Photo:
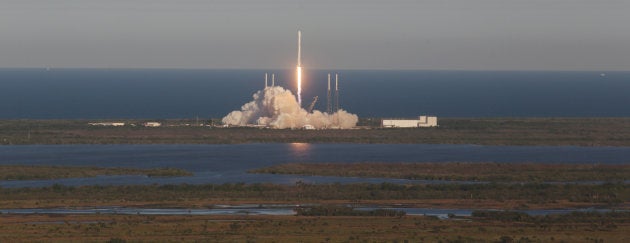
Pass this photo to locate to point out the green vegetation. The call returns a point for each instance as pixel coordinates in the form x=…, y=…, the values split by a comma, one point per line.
x=613, y=227
x=327, y=222
x=608, y=219
x=330, y=222
x=39, y=172
x=493, y=195
x=490, y=172
x=486, y=131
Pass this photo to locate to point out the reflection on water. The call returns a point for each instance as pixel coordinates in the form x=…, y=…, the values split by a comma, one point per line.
x=271, y=210
x=300, y=150
x=229, y=163
x=154, y=211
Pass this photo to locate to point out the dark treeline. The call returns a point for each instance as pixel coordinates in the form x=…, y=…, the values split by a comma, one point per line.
x=609, y=193
x=44, y=172
x=495, y=172
x=592, y=217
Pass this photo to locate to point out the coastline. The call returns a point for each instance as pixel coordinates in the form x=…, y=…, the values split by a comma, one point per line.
x=476, y=131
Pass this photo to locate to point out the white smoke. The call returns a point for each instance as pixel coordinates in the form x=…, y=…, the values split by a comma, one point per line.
x=277, y=107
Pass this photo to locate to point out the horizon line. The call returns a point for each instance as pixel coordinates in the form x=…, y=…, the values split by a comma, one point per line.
x=319, y=69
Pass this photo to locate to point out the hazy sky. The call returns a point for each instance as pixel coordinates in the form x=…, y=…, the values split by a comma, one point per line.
x=339, y=34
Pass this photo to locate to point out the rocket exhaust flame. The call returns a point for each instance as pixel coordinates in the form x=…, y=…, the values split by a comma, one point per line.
x=299, y=84
x=277, y=107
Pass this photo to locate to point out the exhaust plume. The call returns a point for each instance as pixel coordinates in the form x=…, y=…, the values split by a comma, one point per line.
x=277, y=107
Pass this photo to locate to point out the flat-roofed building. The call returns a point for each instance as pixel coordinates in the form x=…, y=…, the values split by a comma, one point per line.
x=423, y=121
x=108, y=124
x=152, y=124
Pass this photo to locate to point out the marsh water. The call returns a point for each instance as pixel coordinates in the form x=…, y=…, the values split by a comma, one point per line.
x=229, y=163
x=268, y=210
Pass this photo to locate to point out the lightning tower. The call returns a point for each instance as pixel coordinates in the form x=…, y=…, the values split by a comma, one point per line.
x=265, y=80
x=336, y=92
x=299, y=68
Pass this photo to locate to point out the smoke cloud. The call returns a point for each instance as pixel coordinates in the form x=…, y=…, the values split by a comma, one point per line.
x=277, y=107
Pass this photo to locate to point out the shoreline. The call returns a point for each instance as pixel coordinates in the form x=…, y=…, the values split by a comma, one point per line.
x=586, y=132
x=484, y=172
x=438, y=204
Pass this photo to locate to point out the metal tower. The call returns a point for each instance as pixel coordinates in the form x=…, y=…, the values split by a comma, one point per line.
x=336, y=92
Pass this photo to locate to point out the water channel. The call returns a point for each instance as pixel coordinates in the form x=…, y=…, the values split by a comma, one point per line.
x=268, y=210
x=229, y=163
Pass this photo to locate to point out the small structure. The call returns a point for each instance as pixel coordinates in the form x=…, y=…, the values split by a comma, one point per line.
x=107, y=124
x=308, y=126
x=423, y=121
x=152, y=124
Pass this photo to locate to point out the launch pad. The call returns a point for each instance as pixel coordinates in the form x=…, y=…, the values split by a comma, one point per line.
x=277, y=107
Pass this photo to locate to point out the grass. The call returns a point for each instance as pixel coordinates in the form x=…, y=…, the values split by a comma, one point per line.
x=482, y=227
x=159, y=228
x=326, y=222
x=40, y=172
x=489, y=172
x=485, y=131
x=500, y=196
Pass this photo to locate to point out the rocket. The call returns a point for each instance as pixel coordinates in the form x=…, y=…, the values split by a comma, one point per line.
x=299, y=57
x=299, y=68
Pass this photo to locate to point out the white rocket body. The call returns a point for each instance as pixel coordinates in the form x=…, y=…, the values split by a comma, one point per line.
x=299, y=69
x=299, y=61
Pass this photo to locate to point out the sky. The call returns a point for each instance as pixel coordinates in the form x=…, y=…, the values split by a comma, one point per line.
x=337, y=34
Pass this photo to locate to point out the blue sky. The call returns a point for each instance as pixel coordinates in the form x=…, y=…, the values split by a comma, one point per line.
x=344, y=34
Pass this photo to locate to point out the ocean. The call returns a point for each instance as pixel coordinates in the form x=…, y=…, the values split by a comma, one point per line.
x=170, y=93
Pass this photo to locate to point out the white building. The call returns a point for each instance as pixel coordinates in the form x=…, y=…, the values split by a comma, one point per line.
x=152, y=124
x=423, y=121
x=108, y=124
